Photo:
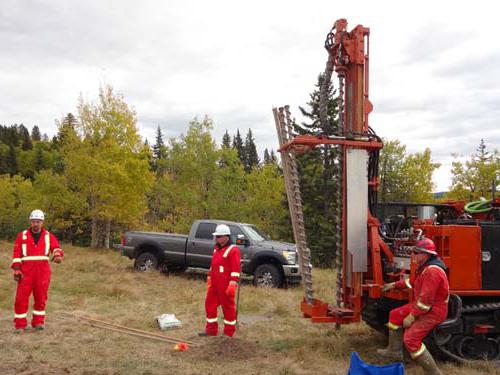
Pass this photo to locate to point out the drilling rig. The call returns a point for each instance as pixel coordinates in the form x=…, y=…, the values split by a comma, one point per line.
x=372, y=251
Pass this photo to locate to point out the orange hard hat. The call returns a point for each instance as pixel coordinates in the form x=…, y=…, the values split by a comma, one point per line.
x=426, y=245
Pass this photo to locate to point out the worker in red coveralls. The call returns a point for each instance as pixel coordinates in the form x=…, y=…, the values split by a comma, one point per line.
x=222, y=283
x=30, y=263
x=428, y=309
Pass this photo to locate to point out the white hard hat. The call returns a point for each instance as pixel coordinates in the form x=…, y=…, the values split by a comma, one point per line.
x=37, y=215
x=222, y=230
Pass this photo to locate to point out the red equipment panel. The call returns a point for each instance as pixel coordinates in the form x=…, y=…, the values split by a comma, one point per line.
x=460, y=248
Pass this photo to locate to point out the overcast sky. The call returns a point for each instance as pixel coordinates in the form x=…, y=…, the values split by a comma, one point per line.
x=435, y=65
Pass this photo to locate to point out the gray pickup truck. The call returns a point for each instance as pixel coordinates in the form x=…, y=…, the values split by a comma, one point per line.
x=271, y=263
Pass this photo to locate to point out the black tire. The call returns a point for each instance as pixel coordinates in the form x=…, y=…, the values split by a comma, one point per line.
x=146, y=262
x=267, y=276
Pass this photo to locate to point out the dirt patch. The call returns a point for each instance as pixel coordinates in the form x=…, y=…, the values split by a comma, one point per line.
x=215, y=349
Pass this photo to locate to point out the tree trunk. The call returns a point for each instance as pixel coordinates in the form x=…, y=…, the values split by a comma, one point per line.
x=95, y=236
x=107, y=233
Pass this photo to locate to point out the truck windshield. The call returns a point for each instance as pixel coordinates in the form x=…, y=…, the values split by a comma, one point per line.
x=255, y=234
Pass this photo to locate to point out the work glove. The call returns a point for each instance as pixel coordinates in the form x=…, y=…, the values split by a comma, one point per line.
x=231, y=289
x=18, y=275
x=387, y=287
x=408, y=321
x=57, y=259
x=209, y=282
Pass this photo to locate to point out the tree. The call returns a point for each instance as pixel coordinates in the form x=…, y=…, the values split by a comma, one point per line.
x=107, y=164
x=264, y=204
x=390, y=171
x=26, y=143
x=17, y=197
x=405, y=177
x=226, y=140
x=251, y=158
x=39, y=159
x=319, y=173
x=473, y=178
x=238, y=145
x=35, y=134
x=158, y=150
x=65, y=208
x=267, y=157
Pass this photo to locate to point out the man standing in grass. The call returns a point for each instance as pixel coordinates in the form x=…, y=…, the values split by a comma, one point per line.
x=30, y=262
x=222, y=282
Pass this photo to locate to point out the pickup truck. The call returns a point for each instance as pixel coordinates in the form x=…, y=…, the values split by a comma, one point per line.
x=271, y=263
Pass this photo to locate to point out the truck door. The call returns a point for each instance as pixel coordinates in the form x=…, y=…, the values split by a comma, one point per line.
x=244, y=251
x=201, y=246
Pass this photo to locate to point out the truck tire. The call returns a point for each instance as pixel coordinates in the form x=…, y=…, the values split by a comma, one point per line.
x=267, y=276
x=146, y=261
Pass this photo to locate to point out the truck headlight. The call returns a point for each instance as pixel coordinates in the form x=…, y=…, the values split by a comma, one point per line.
x=290, y=256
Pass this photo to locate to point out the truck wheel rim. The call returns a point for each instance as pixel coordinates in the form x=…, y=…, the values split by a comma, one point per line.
x=265, y=279
x=147, y=265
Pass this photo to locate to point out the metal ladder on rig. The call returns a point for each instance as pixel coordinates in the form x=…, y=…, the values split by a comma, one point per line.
x=285, y=132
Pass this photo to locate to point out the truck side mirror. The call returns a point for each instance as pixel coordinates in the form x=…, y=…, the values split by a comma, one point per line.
x=242, y=240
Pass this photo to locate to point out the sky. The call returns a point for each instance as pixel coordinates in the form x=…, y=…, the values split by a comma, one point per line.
x=434, y=65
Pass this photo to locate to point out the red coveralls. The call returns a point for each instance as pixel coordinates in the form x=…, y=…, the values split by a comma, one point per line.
x=225, y=267
x=429, y=306
x=33, y=261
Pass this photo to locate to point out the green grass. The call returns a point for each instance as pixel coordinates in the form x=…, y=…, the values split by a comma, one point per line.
x=273, y=338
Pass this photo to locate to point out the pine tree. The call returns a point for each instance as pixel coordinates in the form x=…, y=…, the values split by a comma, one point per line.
x=159, y=152
x=318, y=178
x=238, y=145
x=267, y=157
x=36, y=136
x=251, y=156
x=26, y=143
x=159, y=146
x=226, y=140
x=67, y=128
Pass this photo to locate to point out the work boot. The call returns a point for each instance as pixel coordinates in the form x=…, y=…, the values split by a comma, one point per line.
x=202, y=334
x=39, y=328
x=18, y=331
x=428, y=364
x=394, y=350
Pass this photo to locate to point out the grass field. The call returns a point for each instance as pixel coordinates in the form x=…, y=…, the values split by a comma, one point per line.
x=272, y=338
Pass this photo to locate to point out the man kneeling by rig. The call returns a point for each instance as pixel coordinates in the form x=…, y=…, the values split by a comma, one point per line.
x=428, y=309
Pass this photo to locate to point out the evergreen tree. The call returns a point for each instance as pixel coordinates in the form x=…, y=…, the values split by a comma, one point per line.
x=159, y=146
x=67, y=128
x=267, y=157
x=36, y=136
x=238, y=145
x=45, y=137
x=226, y=140
x=251, y=157
x=26, y=143
x=159, y=151
x=319, y=173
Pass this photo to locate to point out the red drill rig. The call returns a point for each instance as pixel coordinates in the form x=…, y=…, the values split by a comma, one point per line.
x=372, y=252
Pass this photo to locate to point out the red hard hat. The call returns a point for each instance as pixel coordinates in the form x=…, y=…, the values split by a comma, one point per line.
x=426, y=245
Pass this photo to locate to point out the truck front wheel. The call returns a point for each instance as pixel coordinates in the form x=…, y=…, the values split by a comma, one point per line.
x=146, y=261
x=267, y=276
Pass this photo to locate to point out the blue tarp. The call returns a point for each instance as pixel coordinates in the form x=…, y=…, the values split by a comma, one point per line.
x=358, y=367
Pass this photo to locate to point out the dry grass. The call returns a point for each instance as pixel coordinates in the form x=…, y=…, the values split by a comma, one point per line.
x=272, y=337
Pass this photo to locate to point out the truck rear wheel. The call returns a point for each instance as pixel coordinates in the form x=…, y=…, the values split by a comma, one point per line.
x=146, y=261
x=267, y=276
